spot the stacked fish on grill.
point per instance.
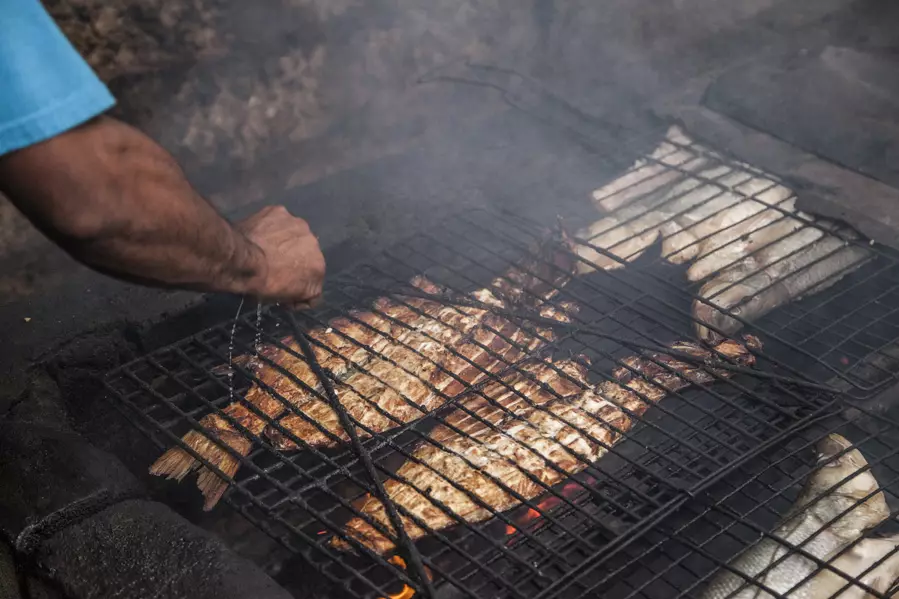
(533, 426)
(391, 365)
(526, 432)
(738, 230)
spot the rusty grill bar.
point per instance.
(640, 513)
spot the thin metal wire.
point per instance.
(405, 544)
(595, 520)
(554, 589)
(743, 520)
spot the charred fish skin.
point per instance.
(177, 462)
(841, 484)
(552, 436)
(427, 364)
(516, 394)
(341, 348)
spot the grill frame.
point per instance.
(843, 390)
(862, 439)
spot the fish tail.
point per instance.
(212, 485)
(176, 463)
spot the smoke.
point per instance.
(257, 99)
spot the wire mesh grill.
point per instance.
(707, 534)
(650, 508)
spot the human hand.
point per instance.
(293, 265)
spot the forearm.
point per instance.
(118, 202)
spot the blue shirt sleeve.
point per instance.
(46, 87)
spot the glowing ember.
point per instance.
(406, 592)
(322, 532)
(568, 490)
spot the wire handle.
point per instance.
(404, 543)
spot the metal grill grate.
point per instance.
(706, 534)
(648, 510)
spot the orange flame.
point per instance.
(406, 592)
(528, 516)
(569, 490)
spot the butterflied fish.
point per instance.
(402, 386)
(526, 432)
(792, 264)
(737, 230)
(346, 346)
(816, 525)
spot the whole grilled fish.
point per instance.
(417, 332)
(826, 495)
(531, 430)
(661, 196)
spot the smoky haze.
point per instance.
(371, 119)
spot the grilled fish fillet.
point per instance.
(793, 264)
(342, 349)
(402, 387)
(531, 430)
(809, 526)
(738, 230)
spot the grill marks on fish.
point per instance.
(373, 355)
(416, 375)
(437, 357)
(839, 501)
(794, 263)
(526, 432)
(176, 463)
(738, 229)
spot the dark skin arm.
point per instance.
(119, 203)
